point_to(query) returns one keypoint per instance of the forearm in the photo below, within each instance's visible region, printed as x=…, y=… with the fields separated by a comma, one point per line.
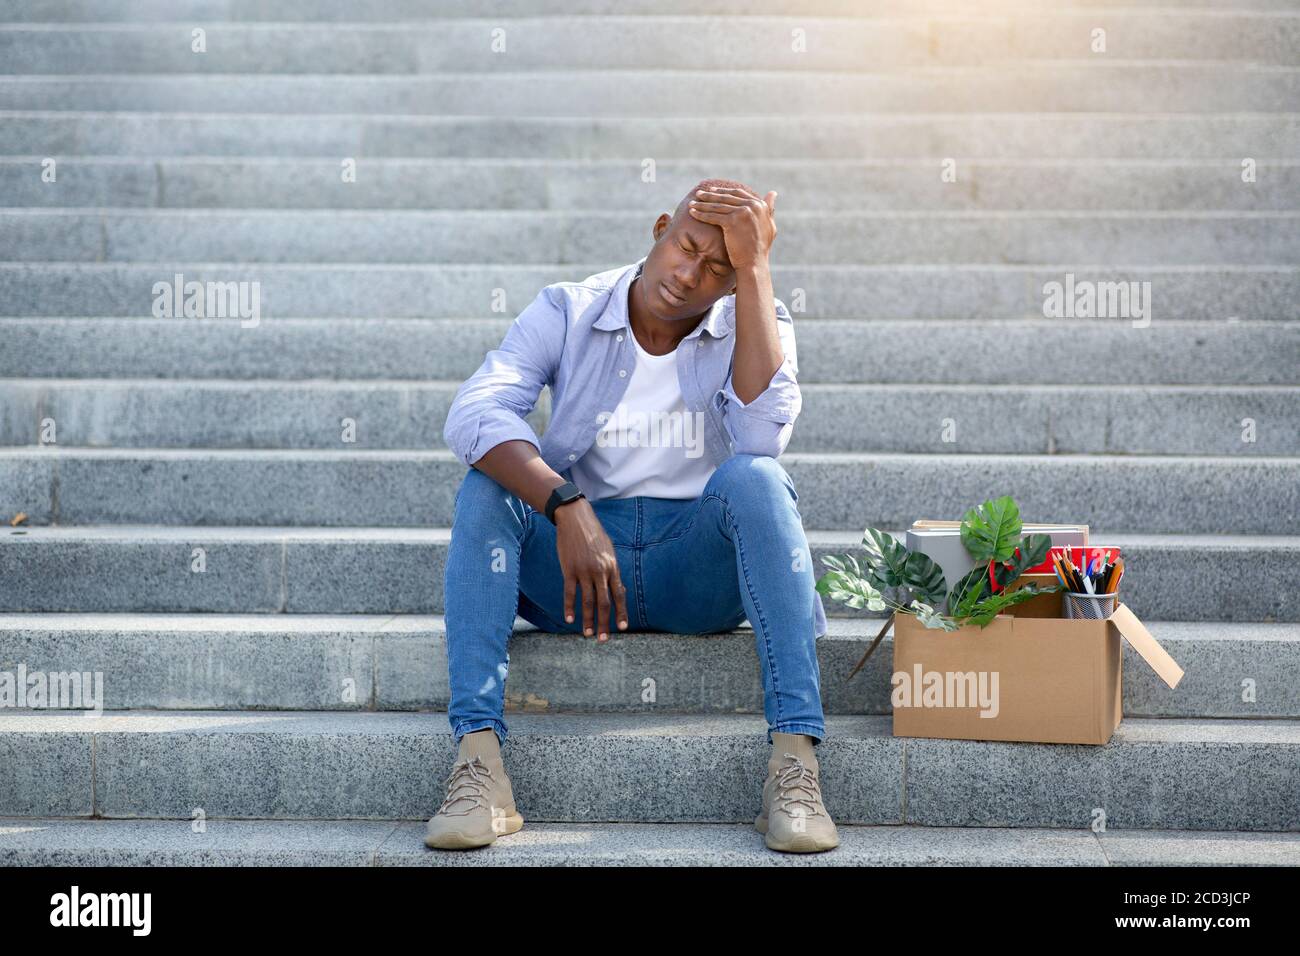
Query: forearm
x=585, y=553
x=517, y=467
x=758, y=352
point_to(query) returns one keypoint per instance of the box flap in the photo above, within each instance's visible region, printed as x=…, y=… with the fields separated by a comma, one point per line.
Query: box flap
x=1140, y=639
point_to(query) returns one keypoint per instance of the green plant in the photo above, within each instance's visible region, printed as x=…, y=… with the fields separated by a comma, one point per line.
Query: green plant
x=907, y=582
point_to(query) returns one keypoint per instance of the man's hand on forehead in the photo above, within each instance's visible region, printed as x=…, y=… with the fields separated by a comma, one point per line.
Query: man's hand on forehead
x=748, y=223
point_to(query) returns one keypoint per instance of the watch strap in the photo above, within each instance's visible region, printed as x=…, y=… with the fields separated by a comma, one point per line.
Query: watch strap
x=562, y=495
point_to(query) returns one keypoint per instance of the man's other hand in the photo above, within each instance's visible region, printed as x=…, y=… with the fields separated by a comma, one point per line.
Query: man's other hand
x=587, y=558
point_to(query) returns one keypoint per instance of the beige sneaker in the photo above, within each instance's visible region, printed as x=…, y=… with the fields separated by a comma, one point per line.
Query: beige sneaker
x=794, y=818
x=480, y=805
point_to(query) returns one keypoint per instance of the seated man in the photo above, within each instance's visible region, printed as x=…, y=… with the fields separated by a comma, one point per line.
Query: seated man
x=654, y=500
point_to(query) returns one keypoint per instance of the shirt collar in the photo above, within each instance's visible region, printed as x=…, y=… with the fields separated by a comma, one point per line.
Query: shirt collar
x=718, y=321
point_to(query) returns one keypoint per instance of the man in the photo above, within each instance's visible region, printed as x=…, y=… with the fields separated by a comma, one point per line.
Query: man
x=654, y=500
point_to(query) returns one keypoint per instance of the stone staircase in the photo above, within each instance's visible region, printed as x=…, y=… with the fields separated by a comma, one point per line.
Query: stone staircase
x=292, y=693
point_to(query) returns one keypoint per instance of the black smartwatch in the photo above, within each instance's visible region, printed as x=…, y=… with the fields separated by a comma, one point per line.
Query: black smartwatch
x=562, y=495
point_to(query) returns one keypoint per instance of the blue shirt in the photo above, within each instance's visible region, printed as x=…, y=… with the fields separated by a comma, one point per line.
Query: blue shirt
x=576, y=338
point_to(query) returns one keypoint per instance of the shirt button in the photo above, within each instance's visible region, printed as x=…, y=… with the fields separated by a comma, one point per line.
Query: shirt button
x=700, y=344
x=618, y=338
x=573, y=458
x=622, y=373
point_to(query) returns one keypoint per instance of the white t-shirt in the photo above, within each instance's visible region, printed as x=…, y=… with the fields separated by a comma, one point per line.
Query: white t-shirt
x=650, y=444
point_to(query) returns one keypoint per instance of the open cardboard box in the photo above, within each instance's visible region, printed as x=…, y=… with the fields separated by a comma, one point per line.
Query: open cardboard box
x=1031, y=675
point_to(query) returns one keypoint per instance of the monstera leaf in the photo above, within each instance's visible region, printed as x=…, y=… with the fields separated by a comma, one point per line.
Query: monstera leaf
x=886, y=557
x=891, y=565
x=847, y=585
x=968, y=591
x=989, y=608
x=924, y=578
x=932, y=618
x=845, y=563
x=992, y=531
x=1032, y=551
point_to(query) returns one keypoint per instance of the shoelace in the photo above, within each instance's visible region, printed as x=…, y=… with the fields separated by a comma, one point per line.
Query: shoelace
x=467, y=781
x=797, y=776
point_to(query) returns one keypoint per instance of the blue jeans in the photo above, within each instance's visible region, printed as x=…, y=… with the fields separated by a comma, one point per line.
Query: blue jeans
x=690, y=566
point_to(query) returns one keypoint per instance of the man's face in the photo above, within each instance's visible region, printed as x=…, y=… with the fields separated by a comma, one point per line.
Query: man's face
x=687, y=270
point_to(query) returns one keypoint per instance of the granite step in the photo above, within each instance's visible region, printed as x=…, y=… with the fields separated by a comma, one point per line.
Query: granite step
x=400, y=571
x=156, y=135
x=379, y=11
x=651, y=42
x=568, y=768
x=199, y=182
x=292, y=843
x=72, y=486
x=1233, y=422
x=1078, y=85
x=1185, y=292
x=399, y=663
x=566, y=237
x=862, y=351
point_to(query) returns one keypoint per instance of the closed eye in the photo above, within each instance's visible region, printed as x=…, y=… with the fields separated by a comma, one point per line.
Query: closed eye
x=720, y=275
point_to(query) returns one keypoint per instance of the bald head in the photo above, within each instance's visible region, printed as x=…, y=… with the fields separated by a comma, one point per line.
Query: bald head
x=704, y=184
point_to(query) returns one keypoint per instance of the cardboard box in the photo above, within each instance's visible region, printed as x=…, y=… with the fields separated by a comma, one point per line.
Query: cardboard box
x=1037, y=677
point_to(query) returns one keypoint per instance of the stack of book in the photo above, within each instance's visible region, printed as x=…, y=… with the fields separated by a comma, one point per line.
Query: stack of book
x=941, y=542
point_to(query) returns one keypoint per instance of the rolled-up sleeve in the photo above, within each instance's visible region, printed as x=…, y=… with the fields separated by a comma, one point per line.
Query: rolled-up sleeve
x=489, y=407
x=764, y=426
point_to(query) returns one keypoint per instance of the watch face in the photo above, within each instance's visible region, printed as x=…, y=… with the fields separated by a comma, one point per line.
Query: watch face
x=562, y=495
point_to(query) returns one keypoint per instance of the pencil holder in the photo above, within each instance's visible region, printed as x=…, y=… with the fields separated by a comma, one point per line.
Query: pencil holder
x=1089, y=607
